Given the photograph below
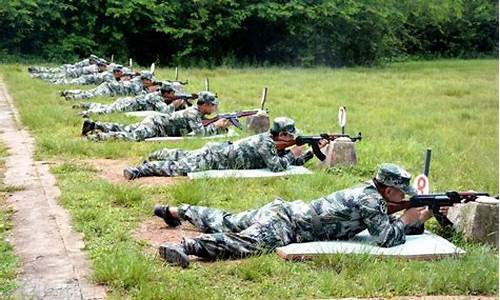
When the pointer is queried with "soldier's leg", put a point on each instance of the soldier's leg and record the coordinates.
(101, 90)
(263, 236)
(165, 168)
(211, 220)
(168, 154)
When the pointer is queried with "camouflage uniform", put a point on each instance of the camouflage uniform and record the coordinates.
(340, 215)
(255, 152)
(86, 62)
(95, 78)
(177, 124)
(152, 101)
(132, 87)
(68, 73)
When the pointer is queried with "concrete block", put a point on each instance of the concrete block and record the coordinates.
(258, 123)
(342, 151)
(476, 221)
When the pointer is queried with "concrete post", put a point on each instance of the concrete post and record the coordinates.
(341, 151)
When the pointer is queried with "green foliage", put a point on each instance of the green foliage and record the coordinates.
(230, 32)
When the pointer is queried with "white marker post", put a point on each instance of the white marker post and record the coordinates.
(207, 84)
(342, 118)
(112, 58)
(264, 98)
(130, 63)
(176, 73)
(152, 69)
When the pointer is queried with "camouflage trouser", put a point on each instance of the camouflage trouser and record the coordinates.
(154, 126)
(122, 105)
(82, 80)
(168, 154)
(104, 89)
(237, 235)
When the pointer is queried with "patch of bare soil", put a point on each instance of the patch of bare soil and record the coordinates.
(112, 171)
(155, 232)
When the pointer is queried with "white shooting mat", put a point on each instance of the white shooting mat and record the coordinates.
(252, 173)
(423, 246)
(230, 133)
(144, 113)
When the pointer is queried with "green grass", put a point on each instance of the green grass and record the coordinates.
(8, 262)
(450, 106)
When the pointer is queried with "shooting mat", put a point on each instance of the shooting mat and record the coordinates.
(253, 173)
(424, 246)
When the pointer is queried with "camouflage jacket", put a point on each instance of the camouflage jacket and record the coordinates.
(254, 152)
(343, 214)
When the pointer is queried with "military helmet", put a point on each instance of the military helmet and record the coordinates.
(166, 88)
(93, 58)
(207, 97)
(146, 75)
(395, 176)
(284, 124)
(118, 68)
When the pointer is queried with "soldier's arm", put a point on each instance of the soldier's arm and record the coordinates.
(269, 154)
(389, 231)
(198, 128)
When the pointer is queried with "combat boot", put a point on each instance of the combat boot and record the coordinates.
(131, 173)
(163, 212)
(88, 126)
(174, 254)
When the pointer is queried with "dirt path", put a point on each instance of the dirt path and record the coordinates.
(53, 265)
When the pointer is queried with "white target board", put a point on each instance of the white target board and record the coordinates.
(342, 116)
(421, 184)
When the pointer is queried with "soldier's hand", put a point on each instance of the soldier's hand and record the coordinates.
(322, 143)
(222, 123)
(177, 103)
(297, 151)
(413, 215)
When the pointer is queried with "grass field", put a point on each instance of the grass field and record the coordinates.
(450, 106)
(8, 262)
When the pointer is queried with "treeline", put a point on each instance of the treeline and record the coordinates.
(257, 32)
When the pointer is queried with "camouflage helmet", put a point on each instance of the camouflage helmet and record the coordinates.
(166, 88)
(93, 58)
(284, 124)
(118, 68)
(207, 97)
(146, 75)
(102, 63)
(395, 176)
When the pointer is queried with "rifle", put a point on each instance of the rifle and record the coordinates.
(184, 97)
(435, 201)
(232, 117)
(313, 141)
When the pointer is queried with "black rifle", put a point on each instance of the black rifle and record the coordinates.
(313, 141)
(232, 117)
(434, 202)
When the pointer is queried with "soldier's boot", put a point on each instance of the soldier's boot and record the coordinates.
(163, 212)
(131, 173)
(174, 254)
(88, 126)
(84, 114)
